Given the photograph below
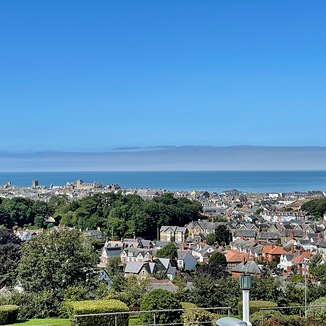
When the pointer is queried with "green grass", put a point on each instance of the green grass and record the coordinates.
(46, 321)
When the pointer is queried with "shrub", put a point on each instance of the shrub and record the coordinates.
(255, 306)
(36, 305)
(160, 300)
(186, 305)
(272, 318)
(97, 307)
(317, 312)
(197, 317)
(8, 314)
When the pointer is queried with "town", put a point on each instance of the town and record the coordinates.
(267, 235)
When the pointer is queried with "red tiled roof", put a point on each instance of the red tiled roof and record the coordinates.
(300, 258)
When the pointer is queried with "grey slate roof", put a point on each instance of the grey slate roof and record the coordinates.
(113, 252)
(249, 267)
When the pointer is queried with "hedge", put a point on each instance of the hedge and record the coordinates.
(97, 307)
(255, 306)
(276, 318)
(197, 317)
(187, 305)
(8, 314)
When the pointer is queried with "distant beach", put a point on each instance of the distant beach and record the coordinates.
(212, 181)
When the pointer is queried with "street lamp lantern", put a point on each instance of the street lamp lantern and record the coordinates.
(245, 282)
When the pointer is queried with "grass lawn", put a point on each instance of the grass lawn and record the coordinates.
(47, 322)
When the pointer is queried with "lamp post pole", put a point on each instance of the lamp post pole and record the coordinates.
(304, 263)
(245, 285)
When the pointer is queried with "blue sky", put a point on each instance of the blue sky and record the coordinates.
(91, 76)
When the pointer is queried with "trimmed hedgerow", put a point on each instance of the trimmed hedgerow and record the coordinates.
(8, 314)
(75, 308)
(255, 306)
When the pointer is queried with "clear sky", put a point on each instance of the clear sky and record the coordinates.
(94, 75)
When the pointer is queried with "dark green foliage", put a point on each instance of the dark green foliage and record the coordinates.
(211, 239)
(318, 270)
(293, 294)
(160, 300)
(116, 214)
(218, 259)
(10, 253)
(97, 307)
(55, 259)
(168, 251)
(8, 314)
(22, 212)
(223, 235)
(315, 207)
(215, 269)
(255, 306)
(267, 289)
(320, 310)
(76, 293)
(41, 304)
(113, 266)
(210, 292)
(130, 291)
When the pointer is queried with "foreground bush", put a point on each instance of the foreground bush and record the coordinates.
(8, 314)
(43, 304)
(317, 308)
(97, 307)
(255, 306)
(273, 318)
(160, 300)
(197, 317)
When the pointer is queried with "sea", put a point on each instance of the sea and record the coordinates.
(211, 181)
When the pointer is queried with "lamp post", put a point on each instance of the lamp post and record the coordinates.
(304, 263)
(245, 285)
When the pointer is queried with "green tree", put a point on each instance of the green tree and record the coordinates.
(10, 254)
(56, 260)
(161, 300)
(316, 207)
(317, 268)
(211, 239)
(223, 234)
(20, 211)
(318, 312)
(131, 291)
(168, 251)
(113, 266)
(217, 258)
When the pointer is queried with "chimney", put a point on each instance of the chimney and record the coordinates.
(291, 235)
(292, 250)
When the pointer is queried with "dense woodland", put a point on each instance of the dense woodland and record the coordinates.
(316, 207)
(115, 214)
